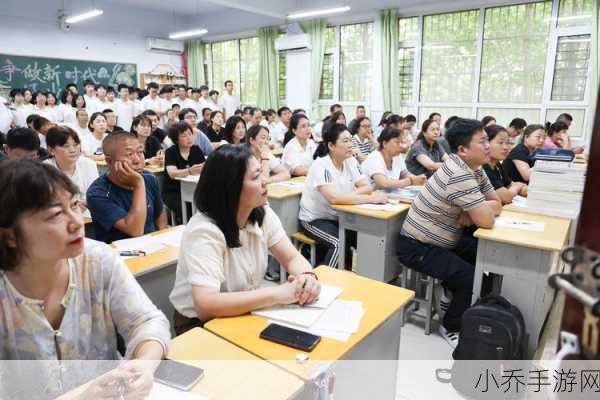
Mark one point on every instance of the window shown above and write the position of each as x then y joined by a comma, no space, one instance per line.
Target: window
505,115
514,53
571,68
326,91
225,64
449,53
573,13
249,70
356,58
330,38
408,34
446,112
576,129
282,69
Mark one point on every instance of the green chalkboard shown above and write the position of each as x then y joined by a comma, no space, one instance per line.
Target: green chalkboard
53,74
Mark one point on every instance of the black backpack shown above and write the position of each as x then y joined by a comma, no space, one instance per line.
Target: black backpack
492,340
492,329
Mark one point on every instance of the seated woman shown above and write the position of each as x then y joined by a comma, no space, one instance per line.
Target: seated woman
298,153
426,155
234,131
216,127
398,122
257,140
557,136
65,297
65,148
182,159
141,126
499,148
520,160
363,141
385,168
227,246
92,144
382,122
333,178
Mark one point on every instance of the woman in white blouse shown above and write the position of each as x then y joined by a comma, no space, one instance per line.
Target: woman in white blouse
65,297
257,140
225,246
298,152
385,167
333,178
64,146
92,144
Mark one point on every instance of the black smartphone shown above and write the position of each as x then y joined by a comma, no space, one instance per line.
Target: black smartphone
178,375
290,337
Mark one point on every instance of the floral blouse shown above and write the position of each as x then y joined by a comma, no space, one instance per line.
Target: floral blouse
102,299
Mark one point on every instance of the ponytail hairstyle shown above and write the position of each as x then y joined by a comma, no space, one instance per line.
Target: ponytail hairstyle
384,117
330,136
556,127
388,134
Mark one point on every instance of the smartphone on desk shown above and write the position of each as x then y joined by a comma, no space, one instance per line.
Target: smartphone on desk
178,375
290,337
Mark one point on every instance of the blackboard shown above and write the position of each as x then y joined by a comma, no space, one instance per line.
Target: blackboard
53,74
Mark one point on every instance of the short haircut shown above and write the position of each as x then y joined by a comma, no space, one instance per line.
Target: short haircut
205,109
433,114
59,135
39,123
333,107
388,134
177,129
150,113
30,118
281,110
226,82
123,86
486,120
88,82
152,85
221,202
101,86
248,110
111,141
450,121
461,133
94,116
185,111
231,125
359,121
80,111
137,121
410,118
493,131
108,111
70,85
518,123
212,92
360,107
203,87
299,111
175,105
37,93
237,112
27,186
22,138
110,89
195,90
16,92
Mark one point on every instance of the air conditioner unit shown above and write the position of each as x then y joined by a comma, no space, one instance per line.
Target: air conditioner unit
288,43
170,46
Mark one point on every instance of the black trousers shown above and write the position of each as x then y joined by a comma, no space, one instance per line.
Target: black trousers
325,232
455,268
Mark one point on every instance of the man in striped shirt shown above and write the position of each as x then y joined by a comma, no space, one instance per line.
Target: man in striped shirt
457,195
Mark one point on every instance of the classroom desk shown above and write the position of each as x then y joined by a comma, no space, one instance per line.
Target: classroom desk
283,200
378,338
376,237
580,159
229,371
525,259
156,275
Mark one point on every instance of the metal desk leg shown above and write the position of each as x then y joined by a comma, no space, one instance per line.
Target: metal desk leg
342,245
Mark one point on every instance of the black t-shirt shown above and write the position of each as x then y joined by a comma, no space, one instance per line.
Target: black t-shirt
159,134
212,135
173,157
497,176
519,152
203,126
152,147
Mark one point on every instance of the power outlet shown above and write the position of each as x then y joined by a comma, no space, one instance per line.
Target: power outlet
569,341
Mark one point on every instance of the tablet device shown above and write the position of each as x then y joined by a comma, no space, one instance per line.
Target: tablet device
290,337
178,375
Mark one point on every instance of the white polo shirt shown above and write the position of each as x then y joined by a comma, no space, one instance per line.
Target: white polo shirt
375,164
125,111
313,205
230,103
294,155
207,261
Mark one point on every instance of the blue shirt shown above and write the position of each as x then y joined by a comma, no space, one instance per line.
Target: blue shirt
109,203
204,144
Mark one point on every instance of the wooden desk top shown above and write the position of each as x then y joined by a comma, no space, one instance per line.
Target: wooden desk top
229,371
553,238
580,159
279,192
353,209
145,264
380,301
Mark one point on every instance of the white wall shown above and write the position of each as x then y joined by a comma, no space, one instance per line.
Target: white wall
298,80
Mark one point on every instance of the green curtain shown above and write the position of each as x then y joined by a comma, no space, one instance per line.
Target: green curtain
389,60
195,63
268,79
316,30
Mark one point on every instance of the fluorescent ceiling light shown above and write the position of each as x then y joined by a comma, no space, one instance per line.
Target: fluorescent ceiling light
86,15
181,35
304,14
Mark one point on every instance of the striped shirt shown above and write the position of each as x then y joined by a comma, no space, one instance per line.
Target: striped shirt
365,147
433,217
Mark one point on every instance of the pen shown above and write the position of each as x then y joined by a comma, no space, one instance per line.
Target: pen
132,253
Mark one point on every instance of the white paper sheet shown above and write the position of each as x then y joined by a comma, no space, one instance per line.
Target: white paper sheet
172,237
380,207
290,185
164,392
519,201
522,224
326,297
293,314
191,178
147,244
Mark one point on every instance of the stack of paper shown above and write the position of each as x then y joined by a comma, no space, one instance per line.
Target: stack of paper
146,244
290,185
407,194
380,207
522,224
